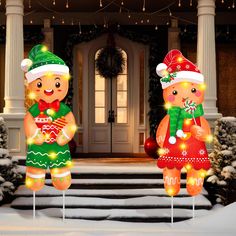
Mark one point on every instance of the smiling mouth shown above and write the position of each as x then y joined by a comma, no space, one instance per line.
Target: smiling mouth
184,99
48,92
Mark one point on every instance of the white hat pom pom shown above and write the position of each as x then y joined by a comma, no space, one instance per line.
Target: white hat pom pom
161,69
26,64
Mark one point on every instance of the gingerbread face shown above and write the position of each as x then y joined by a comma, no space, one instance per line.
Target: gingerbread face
49,88
178,93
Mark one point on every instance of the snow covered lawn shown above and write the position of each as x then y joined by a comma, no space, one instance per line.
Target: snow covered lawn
218,221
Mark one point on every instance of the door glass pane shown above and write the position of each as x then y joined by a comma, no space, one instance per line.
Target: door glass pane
99,115
125,62
99,99
99,82
122,99
122,94
122,82
99,96
122,115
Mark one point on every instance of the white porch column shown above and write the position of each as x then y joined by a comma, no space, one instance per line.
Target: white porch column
14,109
206,55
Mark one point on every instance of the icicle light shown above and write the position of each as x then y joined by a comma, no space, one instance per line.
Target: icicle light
80,31
54,2
144,5
100,3
179,4
67,4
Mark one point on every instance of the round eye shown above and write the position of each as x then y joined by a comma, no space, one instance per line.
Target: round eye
39,84
193,90
174,92
58,85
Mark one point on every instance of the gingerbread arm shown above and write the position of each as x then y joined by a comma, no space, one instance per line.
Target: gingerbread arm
29,125
162,130
32,132
68,131
205,125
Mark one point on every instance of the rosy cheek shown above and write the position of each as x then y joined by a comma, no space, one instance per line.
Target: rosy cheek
59,90
198,93
171,98
37,90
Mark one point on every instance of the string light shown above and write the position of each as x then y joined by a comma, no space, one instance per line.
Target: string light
170,13
148,20
54,2
120,10
62,21
179,4
122,3
222,1
67,3
53,17
72,22
156,27
233,4
80,31
52,155
167,23
167,105
100,3
32,95
30,4
191,3
31,22
129,16
144,5
185,29
0,2
141,21
136,22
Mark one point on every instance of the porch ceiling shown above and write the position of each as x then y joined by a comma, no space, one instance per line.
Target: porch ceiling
114,5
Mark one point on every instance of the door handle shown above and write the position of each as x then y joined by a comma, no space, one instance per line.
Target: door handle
111,116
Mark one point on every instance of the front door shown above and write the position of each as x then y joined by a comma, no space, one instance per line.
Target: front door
110,112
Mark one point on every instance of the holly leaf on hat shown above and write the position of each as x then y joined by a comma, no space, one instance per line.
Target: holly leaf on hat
169,77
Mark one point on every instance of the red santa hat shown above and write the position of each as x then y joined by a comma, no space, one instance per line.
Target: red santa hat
176,68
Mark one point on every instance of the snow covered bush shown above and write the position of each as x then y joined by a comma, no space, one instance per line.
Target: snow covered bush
221,182
9,177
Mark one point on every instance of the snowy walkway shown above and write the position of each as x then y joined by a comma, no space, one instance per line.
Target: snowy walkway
216,222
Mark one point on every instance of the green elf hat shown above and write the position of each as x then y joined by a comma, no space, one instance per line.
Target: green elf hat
41,62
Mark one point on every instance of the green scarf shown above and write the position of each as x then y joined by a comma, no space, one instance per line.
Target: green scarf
177,116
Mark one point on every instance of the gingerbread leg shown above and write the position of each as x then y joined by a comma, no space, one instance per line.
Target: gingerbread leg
61,178
195,179
35,178
171,181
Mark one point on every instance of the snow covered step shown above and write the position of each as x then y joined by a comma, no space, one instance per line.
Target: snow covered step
116,183
127,215
22,191
103,203
109,169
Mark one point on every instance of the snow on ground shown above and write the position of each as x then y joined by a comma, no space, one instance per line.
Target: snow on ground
219,221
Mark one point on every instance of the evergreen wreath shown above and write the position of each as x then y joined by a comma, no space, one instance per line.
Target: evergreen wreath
110,62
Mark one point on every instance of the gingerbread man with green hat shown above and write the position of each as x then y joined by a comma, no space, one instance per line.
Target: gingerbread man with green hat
49,123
